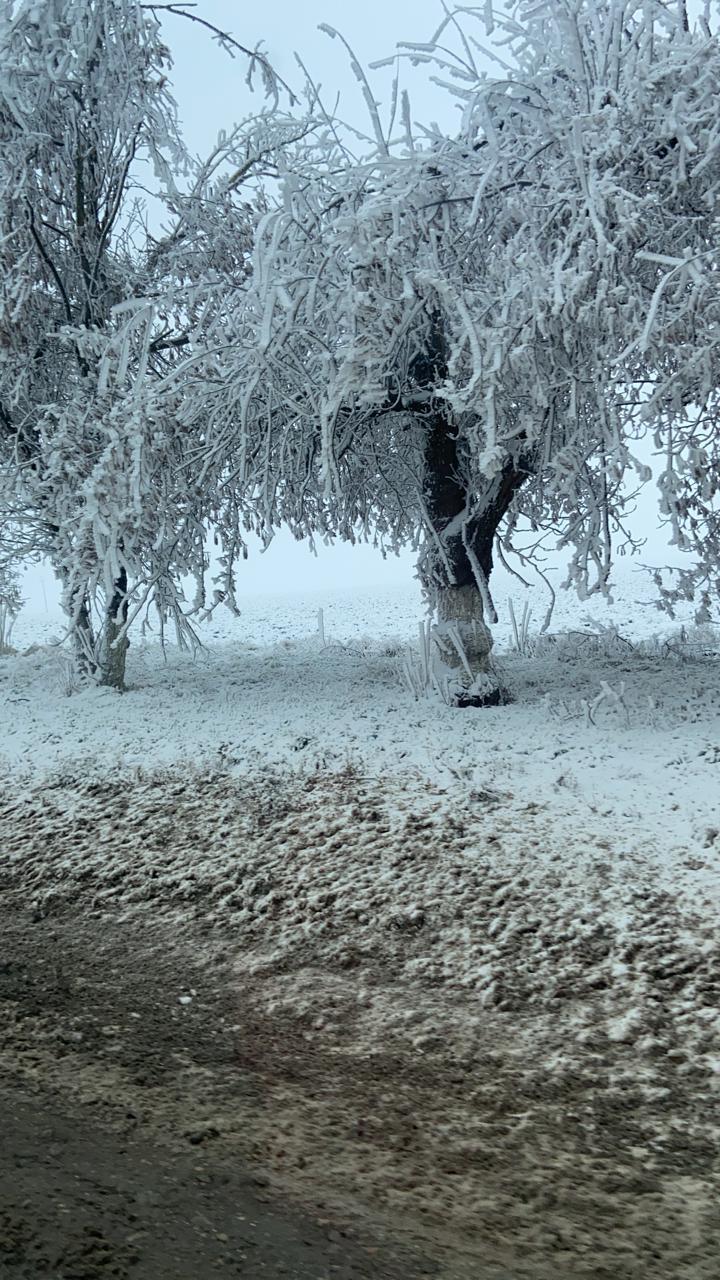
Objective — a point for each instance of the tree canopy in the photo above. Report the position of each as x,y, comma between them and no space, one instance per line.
548,277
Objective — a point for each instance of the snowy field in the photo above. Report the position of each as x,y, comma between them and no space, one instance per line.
615,720
522,899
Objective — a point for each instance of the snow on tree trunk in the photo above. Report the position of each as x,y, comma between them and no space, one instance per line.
457,562
84,641
116,644
461,635
464,640
76,607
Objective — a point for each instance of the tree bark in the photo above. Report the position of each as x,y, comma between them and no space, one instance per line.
458,551
84,641
449,577
116,643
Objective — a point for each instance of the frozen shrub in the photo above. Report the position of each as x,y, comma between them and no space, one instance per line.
11,603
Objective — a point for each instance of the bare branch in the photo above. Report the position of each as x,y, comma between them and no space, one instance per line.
227,42
50,265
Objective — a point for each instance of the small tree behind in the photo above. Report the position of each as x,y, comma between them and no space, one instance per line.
96,471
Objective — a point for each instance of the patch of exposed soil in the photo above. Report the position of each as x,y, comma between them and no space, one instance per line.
80,1200
134,1141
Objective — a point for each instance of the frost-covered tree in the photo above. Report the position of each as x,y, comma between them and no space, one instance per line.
95,311
449,337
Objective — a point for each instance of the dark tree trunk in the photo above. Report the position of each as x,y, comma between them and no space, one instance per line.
115,641
447,500
455,540
449,577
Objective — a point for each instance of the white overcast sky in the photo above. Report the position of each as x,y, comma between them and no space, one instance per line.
210,87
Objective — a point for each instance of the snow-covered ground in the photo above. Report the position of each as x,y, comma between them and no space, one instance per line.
615,724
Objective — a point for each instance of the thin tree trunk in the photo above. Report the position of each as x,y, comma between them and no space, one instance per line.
77,608
116,643
84,641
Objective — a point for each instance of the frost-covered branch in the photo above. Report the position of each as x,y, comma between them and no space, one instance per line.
271,80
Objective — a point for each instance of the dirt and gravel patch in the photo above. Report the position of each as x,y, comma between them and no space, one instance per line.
423,1024
135,1142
